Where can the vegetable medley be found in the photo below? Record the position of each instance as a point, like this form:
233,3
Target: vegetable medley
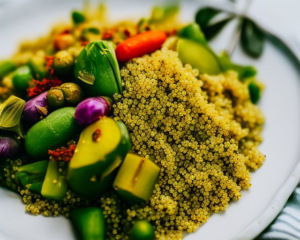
132,130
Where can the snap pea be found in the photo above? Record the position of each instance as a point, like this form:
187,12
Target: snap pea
50,133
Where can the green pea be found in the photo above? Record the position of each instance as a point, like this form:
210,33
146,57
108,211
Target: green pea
21,78
72,92
55,97
142,230
63,62
53,132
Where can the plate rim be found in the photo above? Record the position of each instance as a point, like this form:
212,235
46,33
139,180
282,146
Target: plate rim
258,225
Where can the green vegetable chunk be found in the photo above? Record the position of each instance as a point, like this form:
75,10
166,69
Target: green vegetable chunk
50,133
10,115
54,186
98,69
198,56
89,223
136,178
78,17
21,78
100,151
244,72
142,230
254,91
6,67
32,175
193,32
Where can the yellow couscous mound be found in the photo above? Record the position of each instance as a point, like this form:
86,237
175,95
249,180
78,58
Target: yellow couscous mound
202,131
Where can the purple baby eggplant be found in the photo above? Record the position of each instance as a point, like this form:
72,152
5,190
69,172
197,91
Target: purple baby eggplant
8,147
91,109
36,109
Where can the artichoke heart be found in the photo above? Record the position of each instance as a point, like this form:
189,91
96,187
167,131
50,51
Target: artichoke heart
98,71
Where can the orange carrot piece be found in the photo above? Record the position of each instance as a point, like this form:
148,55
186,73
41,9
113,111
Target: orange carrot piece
140,44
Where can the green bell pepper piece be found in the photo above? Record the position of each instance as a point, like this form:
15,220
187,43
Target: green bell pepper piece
96,159
97,67
89,223
136,178
54,186
6,67
32,175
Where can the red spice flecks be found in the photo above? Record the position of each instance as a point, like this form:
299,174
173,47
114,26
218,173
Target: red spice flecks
40,87
97,135
127,33
66,31
172,33
107,35
84,43
63,153
49,65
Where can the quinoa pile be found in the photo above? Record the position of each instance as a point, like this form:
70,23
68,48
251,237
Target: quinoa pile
202,131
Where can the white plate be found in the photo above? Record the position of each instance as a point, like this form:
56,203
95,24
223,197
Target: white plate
271,184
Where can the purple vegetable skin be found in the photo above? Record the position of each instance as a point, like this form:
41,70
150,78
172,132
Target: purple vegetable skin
8,147
91,109
36,109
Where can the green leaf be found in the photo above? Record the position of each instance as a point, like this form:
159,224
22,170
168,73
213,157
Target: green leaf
211,31
252,38
244,72
204,15
78,17
10,115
